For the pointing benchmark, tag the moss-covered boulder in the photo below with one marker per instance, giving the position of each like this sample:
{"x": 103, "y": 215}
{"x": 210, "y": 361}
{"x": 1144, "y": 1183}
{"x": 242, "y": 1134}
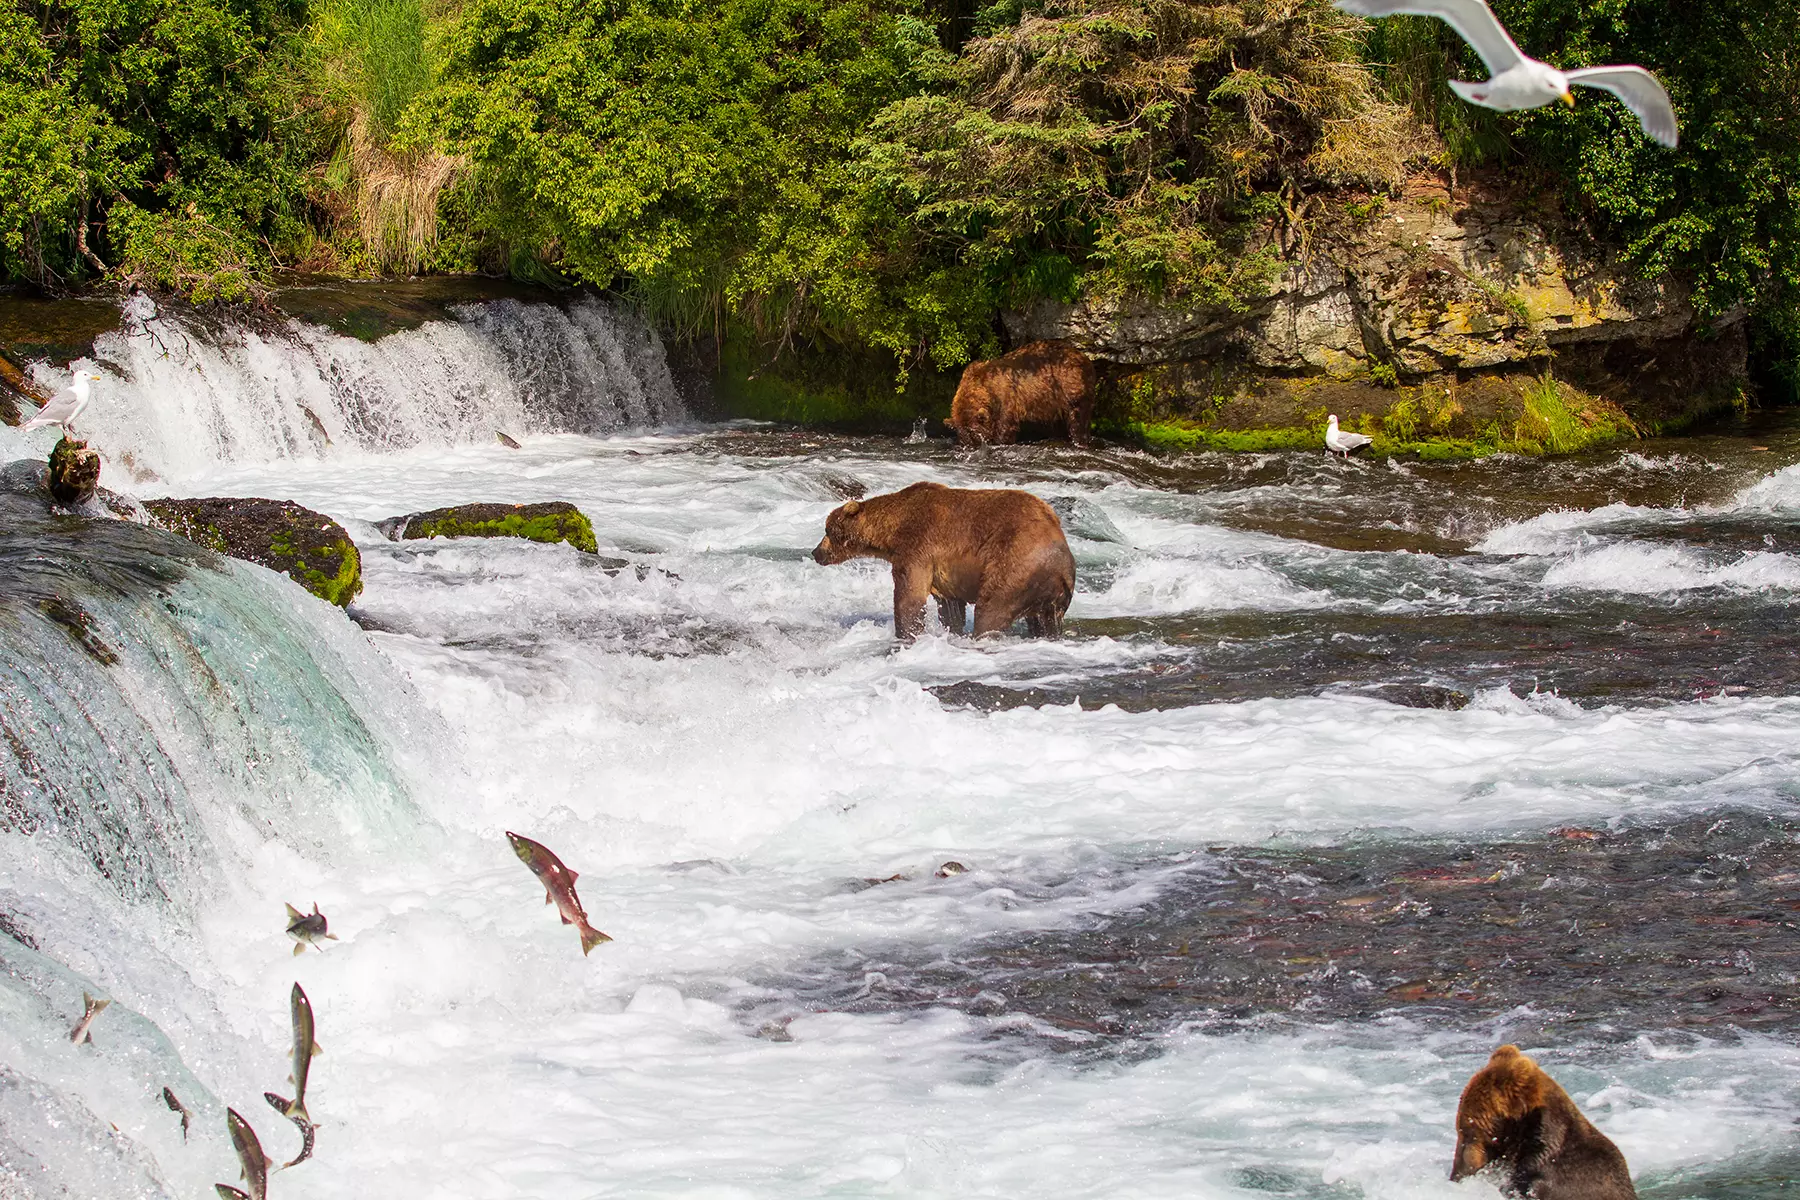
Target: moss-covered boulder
{"x": 74, "y": 472}
{"x": 308, "y": 547}
{"x": 552, "y": 521}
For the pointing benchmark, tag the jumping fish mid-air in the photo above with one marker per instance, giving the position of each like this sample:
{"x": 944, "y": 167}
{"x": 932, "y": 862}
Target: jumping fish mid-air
{"x": 559, "y": 887}
{"x": 308, "y": 929}
{"x": 90, "y": 1008}
{"x": 304, "y": 1049}
{"x": 308, "y": 1131}
{"x": 251, "y": 1159}
{"x": 176, "y": 1106}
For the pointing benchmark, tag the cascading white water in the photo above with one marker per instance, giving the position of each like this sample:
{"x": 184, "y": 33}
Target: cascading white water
{"x": 751, "y": 779}
{"x": 181, "y": 393}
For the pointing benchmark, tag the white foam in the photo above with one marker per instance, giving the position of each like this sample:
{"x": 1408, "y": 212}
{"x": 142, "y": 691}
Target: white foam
{"x": 1650, "y": 569}
{"x": 721, "y": 743}
{"x": 1778, "y": 492}
{"x": 177, "y": 399}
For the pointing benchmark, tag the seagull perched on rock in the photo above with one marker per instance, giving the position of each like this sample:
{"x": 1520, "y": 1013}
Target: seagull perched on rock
{"x": 63, "y": 410}
{"x": 1339, "y": 442}
{"x": 1517, "y": 82}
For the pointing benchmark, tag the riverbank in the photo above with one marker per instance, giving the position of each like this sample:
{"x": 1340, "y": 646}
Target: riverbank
{"x": 1534, "y": 396}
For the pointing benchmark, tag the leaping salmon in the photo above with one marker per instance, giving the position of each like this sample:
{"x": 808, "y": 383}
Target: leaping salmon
{"x": 308, "y": 930}
{"x": 304, "y": 1048}
{"x": 307, "y": 1129}
{"x": 90, "y": 1008}
{"x": 559, "y": 887}
{"x": 176, "y": 1106}
{"x": 251, "y": 1159}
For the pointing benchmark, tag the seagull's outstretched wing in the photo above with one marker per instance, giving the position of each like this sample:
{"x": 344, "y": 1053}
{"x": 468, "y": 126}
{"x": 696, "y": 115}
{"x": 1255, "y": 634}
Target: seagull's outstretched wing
{"x": 1642, "y": 93}
{"x": 1472, "y": 19}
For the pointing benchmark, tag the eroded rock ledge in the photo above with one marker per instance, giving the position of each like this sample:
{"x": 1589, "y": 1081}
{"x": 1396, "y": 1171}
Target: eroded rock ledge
{"x": 1450, "y": 308}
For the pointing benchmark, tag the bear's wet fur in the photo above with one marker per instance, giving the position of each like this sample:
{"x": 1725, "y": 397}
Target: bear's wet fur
{"x": 1518, "y": 1120}
{"x": 1042, "y": 382}
{"x": 996, "y": 548}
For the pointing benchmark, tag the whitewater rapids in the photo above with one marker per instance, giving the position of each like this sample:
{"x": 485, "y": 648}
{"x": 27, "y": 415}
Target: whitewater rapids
{"x": 724, "y": 742}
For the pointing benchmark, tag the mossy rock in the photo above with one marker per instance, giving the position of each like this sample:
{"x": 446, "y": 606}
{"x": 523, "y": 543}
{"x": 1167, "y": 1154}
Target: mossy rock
{"x": 308, "y": 547}
{"x": 74, "y": 472}
{"x": 552, "y": 521}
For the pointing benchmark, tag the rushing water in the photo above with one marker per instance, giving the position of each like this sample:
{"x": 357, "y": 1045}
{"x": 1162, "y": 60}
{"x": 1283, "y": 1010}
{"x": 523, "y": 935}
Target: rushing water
{"x": 1344, "y": 774}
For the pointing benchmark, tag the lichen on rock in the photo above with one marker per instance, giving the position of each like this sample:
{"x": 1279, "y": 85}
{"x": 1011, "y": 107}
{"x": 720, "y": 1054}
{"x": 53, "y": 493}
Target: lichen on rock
{"x": 308, "y": 547}
{"x": 551, "y": 521}
{"x": 1406, "y": 308}
{"x": 74, "y": 472}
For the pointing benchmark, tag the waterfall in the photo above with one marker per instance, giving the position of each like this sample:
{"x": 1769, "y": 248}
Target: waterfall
{"x": 182, "y": 392}
{"x": 171, "y": 723}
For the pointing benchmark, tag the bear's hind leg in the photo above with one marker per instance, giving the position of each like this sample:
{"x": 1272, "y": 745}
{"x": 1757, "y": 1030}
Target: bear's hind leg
{"x": 993, "y": 618}
{"x": 954, "y": 614}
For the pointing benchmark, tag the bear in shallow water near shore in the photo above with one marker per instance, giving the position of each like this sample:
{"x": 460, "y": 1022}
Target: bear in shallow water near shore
{"x": 1518, "y": 1120}
{"x": 1001, "y": 550}
{"x": 1044, "y": 382}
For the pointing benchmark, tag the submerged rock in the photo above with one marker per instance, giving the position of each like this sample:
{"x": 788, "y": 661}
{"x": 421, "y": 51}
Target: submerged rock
{"x": 74, "y": 472}
{"x": 552, "y": 521}
{"x": 308, "y": 547}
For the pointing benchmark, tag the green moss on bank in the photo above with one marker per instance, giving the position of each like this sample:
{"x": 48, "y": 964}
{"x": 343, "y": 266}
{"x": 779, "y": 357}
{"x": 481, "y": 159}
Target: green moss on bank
{"x": 554, "y": 521}
{"x": 1550, "y": 417}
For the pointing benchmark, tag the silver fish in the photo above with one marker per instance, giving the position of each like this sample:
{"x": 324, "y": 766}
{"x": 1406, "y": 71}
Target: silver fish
{"x": 307, "y": 930}
{"x": 304, "y": 1049}
{"x": 307, "y": 1129}
{"x": 227, "y": 1192}
{"x": 91, "y": 1008}
{"x": 251, "y": 1158}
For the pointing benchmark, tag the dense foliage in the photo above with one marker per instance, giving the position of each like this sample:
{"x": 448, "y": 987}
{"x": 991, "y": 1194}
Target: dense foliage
{"x": 1724, "y": 209}
{"x": 883, "y": 173}
{"x": 1120, "y": 147}
{"x": 162, "y": 136}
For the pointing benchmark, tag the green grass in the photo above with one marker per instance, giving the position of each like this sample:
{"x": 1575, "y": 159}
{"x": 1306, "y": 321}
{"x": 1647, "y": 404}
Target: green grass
{"x": 382, "y": 45}
{"x": 1553, "y": 420}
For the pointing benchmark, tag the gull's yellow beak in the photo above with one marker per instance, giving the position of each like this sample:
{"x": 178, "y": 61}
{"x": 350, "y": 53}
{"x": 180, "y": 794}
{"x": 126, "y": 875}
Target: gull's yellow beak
{"x": 1568, "y": 98}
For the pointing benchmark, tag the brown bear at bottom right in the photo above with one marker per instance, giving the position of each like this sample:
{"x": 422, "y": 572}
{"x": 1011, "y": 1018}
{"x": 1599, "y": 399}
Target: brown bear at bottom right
{"x": 1518, "y": 1120}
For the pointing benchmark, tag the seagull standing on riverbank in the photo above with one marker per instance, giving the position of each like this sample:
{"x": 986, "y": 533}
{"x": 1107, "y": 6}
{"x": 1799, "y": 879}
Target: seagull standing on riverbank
{"x": 62, "y": 410}
{"x": 1339, "y": 442}
{"x": 1518, "y": 82}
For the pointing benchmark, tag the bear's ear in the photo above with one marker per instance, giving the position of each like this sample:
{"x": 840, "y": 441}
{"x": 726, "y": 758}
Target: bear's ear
{"x": 851, "y": 508}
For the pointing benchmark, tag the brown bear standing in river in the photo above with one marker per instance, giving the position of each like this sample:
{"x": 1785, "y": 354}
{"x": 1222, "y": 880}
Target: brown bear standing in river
{"x": 1001, "y": 550}
{"x": 1042, "y": 381}
{"x": 1517, "y": 1118}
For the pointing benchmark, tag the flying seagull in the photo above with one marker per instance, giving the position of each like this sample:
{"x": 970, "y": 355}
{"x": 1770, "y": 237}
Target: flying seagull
{"x": 1516, "y": 81}
{"x": 64, "y": 409}
{"x": 1339, "y": 442}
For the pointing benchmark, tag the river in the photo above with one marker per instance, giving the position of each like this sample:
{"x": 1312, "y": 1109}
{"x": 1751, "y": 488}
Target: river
{"x": 1343, "y": 774}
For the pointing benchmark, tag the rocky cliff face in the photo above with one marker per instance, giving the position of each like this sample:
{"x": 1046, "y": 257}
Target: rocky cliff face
{"x": 1411, "y": 292}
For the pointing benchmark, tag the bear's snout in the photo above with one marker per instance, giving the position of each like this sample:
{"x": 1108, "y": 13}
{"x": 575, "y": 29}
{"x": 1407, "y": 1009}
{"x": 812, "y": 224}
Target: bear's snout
{"x": 822, "y": 552}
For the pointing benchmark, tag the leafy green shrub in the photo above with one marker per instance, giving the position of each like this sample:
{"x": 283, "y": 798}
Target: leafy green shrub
{"x": 123, "y": 105}
{"x": 1722, "y": 210}
{"x": 184, "y": 253}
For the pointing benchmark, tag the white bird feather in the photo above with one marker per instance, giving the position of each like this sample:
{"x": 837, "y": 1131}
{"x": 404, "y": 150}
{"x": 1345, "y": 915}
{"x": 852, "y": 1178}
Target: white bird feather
{"x": 66, "y": 406}
{"x": 1342, "y": 442}
{"x": 1516, "y": 80}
